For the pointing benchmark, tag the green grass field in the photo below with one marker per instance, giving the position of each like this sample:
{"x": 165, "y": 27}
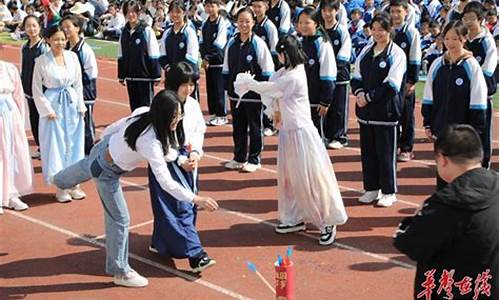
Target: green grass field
{"x": 108, "y": 49}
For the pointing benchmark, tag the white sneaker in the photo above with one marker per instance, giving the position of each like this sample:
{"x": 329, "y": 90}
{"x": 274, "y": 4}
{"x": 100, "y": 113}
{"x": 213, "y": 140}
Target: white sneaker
{"x": 269, "y": 132}
{"x": 35, "y": 154}
{"x": 76, "y": 193}
{"x": 131, "y": 279}
{"x": 234, "y": 165}
{"x": 250, "y": 168}
{"x": 99, "y": 35}
{"x": 218, "y": 121}
{"x": 16, "y": 204}
{"x": 63, "y": 196}
{"x": 210, "y": 119}
{"x": 369, "y": 197}
{"x": 387, "y": 200}
{"x": 335, "y": 145}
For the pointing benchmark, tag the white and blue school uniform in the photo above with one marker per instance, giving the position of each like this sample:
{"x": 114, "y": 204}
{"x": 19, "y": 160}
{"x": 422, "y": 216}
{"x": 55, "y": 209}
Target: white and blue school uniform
{"x": 354, "y": 28}
{"x": 337, "y": 118}
{"x": 106, "y": 175}
{"x": 58, "y": 90}
{"x": 174, "y": 232}
{"x": 280, "y": 16}
{"x": 180, "y": 46}
{"x": 369, "y": 14}
{"x": 454, "y": 93}
{"x": 28, "y": 56}
{"x": 268, "y": 32}
{"x": 251, "y": 56}
{"x": 484, "y": 49}
{"x": 359, "y": 41}
{"x": 427, "y": 40}
{"x": 212, "y": 43}
{"x": 138, "y": 65}
{"x": 321, "y": 72}
{"x": 433, "y": 7}
{"x": 431, "y": 54}
{"x": 380, "y": 77}
{"x": 408, "y": 38}
{"x": 88, "y": 65}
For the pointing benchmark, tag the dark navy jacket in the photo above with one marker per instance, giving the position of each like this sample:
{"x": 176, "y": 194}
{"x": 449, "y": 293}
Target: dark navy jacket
{"x": 380, "y": 78}
{"x": 88, "y": 65}
{"x": 485, "y": 51}
{"x": 280, "y": 16}
{"x": 29, "y": 54}
{"x": 454, "y": 93}
{"x": 179, "y": 46}
{"x": 342, "y": 48}
{"x": 408, "y": 39}
{"x": 138, "y": 54}
{"x": 321, "y": 69}
{"x": 249, "y": 56}
{"x": 213, "y": 41}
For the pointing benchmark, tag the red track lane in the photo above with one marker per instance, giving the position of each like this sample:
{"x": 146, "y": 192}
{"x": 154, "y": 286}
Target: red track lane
{"x": 54, "y": 251}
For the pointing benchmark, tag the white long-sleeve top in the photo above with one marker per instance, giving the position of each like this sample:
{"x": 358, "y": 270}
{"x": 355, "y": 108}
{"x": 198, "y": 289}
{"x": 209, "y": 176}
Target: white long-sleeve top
{"x": 148, "y": 148}
{"x": 194, "y": 125}
{"x": 47, "y": 73}
{"x": 289, "y": 88}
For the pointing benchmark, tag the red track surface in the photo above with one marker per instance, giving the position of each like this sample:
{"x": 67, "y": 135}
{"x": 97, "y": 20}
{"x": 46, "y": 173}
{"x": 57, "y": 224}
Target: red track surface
{"x": 55, "y": 251}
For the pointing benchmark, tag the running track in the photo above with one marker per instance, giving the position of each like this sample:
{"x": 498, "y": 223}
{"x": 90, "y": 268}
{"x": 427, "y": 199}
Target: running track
{"x": 55, "y": 251}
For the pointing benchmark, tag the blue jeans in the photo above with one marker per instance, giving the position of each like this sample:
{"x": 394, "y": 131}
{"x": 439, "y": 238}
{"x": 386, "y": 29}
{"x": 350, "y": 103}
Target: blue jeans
{"x": 117, "y": 219}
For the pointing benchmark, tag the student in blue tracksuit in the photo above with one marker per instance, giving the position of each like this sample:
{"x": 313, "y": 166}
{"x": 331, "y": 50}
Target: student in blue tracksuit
{"x": 72, "y": 26}
{"x": 138, "y": 53}
{"x": 482, "y": 45}
{"x": 212, "y": 43}
{"x": 376, "y": 82}
{"x": 266, "y": 30}
{"x": 407, "y": 38}
{"x": 337, "y": 118}
{"x": 455, "y": 91}
{"x": 321, "y": 68}
{"x": 279, "y": 14}
{"x": 35, "y": 47}
{"x": 246, "y": 52}
{"x": 179, "y": 42}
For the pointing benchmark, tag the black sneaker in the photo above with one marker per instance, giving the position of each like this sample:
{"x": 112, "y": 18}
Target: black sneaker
{"x": 281, "y": 228}
{"x": 200, "y": 264}
{"x": 327, "y": 236}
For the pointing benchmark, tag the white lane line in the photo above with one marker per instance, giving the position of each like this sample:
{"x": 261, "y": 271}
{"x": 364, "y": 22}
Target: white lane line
{"x": 144, "y": 260}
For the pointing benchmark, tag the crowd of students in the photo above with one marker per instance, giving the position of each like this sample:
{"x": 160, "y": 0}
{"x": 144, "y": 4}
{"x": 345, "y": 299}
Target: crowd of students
{"x": 292, "y": 60}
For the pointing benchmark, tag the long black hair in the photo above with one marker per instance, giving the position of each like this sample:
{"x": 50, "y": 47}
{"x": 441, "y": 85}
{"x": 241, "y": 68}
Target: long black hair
{"x": 163, "y": 111}
{"x": 178, "y": 74}
{"x": 291, "y": 48}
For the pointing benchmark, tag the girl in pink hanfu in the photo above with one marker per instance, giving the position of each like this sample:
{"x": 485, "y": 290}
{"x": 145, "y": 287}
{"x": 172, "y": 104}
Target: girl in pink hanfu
{"x": 15, "y": 162}
{"x": 307, "y": 187}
